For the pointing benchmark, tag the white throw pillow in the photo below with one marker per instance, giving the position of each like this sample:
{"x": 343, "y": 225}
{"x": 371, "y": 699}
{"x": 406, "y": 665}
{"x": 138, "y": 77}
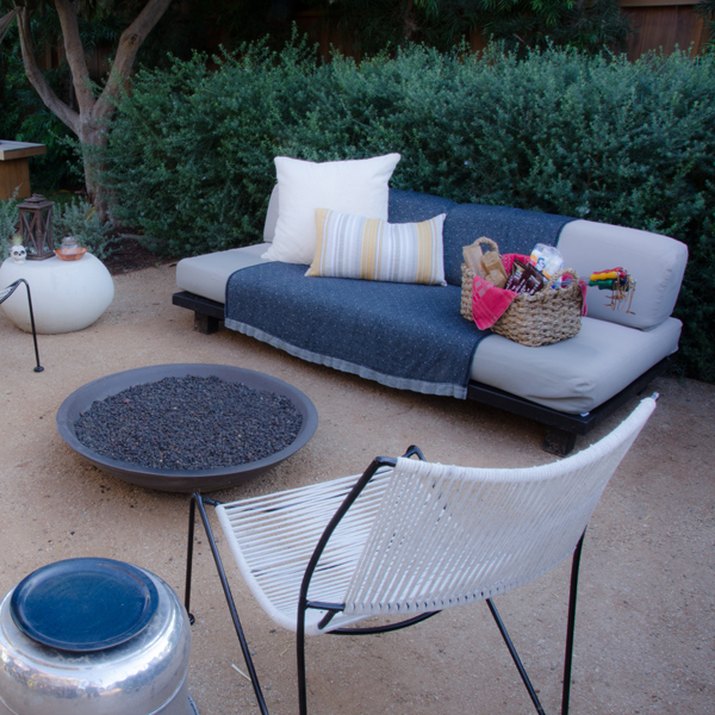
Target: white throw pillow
{"x": 371, "y": 249}
{"x": 357, "y": 186}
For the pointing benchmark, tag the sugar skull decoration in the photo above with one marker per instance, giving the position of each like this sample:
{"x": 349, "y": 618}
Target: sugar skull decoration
{"x": 18, "y": 253}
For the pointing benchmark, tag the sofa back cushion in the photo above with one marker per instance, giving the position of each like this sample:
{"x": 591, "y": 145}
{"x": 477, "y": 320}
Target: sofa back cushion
{"x": 655, "y": 262}
{"x": 515, "y": 230}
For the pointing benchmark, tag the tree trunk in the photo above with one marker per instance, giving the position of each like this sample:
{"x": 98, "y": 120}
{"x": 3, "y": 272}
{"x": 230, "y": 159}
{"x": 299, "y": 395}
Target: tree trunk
{"x": 93, "y": 140}
{"x": 89, "y": 122}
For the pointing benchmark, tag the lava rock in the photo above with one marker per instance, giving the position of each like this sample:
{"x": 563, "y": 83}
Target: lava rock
{"x": 189, "y": 423}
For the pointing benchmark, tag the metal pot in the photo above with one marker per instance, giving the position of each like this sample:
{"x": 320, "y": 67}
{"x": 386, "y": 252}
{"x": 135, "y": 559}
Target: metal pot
{"x": 93, "y": 636}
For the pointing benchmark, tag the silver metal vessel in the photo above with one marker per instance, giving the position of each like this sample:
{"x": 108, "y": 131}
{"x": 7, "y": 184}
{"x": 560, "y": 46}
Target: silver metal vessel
{"x": 137, "y": 665}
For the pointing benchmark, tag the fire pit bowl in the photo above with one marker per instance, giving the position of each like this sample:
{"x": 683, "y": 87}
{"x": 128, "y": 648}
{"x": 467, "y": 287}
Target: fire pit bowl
{"x": 172, "y": 478}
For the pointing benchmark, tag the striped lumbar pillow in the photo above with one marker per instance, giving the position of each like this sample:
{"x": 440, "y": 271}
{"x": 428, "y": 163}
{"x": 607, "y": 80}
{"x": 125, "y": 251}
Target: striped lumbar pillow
{"x": 350, "y": 246}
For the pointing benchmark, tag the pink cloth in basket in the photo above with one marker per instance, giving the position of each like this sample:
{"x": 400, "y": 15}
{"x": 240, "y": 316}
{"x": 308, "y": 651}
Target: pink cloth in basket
{"x": 489, "y": 303}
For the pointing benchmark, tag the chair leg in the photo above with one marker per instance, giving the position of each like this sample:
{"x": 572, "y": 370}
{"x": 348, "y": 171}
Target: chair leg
{"x": 38, "y": 367}
{"x": 568, "y": 655}
{"x": 300, "y": 662}
{"x": 515, "y": 657}
{"x": 197, "y": 501}
{"x": 570, "y": 627}
{"x": 190, "y": 559}
{"x": 5, "y": 293}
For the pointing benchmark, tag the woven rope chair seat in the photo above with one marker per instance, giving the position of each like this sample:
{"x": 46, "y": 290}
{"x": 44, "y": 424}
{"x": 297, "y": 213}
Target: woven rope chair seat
{"x": 420, "y": 536}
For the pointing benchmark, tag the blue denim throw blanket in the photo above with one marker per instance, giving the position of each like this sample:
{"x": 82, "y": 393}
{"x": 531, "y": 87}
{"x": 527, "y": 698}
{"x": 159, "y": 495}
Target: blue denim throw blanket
{"x": 410, "y": 337}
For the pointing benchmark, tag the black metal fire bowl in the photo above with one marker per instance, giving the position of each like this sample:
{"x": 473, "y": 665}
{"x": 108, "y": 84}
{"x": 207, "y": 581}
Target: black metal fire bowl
{"x": 182, "y": 481}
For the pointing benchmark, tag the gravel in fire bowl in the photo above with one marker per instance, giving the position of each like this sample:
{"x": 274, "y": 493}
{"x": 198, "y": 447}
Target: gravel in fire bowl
{"x": 189, "y": 423}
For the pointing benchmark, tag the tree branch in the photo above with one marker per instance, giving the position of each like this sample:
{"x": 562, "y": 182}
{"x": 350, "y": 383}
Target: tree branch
{"x": 34, "y": 74}
{"x": 129, "y": 44}
{"x": 5, "y": 22}
{"x": 74, "y": 52}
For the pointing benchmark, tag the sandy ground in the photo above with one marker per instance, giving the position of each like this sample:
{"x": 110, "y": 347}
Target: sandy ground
{"x": 646, "y": 622}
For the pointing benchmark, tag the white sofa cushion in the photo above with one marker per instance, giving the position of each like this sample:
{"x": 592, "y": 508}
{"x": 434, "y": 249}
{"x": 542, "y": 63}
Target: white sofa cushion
{"x": 656, "y": 262}
{"x": 207, "y": 275}
{"x": 358, "y": 186}
{"x": 578, "y": 374}
{"x": 350, "y": 246}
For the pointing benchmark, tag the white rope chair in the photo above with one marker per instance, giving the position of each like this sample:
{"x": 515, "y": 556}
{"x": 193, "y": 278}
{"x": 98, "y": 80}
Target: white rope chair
{"x": 409, "y": 538}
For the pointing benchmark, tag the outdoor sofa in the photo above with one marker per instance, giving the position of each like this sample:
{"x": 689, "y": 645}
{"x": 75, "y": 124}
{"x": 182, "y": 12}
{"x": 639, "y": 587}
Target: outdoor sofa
{"x": 412, "y": 336}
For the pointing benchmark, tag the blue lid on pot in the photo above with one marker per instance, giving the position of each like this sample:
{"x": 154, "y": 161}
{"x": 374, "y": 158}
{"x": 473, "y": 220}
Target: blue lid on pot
{"x": 85, "y": 604}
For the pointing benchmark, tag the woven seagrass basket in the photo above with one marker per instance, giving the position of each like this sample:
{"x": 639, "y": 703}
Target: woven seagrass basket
{"x": 549, "y": 316}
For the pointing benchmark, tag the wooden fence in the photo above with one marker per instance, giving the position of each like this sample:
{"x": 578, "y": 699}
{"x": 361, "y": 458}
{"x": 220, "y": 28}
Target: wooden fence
{"x": 655, "y": 25}
{"x": 665, "y": 24}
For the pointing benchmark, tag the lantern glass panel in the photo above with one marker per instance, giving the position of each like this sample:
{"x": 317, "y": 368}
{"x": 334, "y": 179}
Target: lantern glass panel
{"x": 36, "y": 227}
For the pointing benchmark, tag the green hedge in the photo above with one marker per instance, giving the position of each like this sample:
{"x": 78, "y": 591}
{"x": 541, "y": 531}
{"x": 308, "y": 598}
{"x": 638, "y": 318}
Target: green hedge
{"x": 191, "y": 149}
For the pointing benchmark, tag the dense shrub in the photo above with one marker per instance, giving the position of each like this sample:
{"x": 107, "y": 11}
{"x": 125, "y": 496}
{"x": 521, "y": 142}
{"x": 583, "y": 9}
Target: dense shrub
{"x": 191, "y": 150}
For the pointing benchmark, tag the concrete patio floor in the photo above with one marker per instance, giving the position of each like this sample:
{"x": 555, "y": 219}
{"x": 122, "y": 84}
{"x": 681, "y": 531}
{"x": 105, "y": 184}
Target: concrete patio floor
{"x": 646, "y": 619}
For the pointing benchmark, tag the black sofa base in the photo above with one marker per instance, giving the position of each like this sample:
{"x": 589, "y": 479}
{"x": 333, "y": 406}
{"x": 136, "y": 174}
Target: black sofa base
{"x": 562, "y": 428}
{"x": 208, "y": 314}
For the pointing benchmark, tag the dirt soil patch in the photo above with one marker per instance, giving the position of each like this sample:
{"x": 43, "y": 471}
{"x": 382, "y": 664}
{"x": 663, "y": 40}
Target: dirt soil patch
{"x": 130, "y": 255}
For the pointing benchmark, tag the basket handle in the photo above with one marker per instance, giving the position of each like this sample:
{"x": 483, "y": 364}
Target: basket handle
{"x": 485, "y": 241}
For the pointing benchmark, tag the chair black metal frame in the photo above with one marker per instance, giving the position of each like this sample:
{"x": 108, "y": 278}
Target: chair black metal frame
{"x": 5, "y": 293}
{"x": 198, "y": 501}
{"x": 400, "y": 539}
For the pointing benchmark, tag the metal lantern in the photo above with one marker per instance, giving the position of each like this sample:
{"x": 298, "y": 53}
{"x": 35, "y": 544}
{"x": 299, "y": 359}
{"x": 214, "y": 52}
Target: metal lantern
{"x": 36, "y": 227}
